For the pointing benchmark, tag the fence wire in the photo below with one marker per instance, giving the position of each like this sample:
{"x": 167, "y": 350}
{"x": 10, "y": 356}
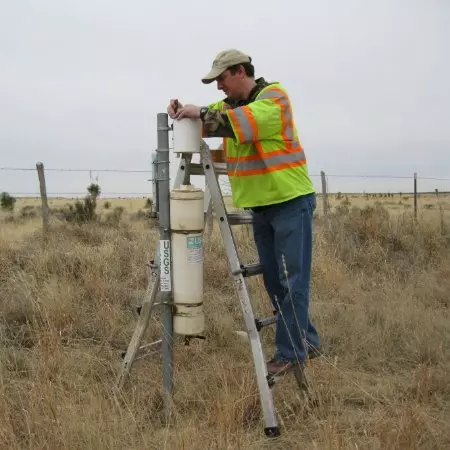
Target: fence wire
{"x": 56, "y": 177}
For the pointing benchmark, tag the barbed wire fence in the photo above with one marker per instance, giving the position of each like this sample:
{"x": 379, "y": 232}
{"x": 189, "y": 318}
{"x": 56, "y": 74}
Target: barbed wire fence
{"x": 225, "y": 182}
{"x": 93, "y": 179}
{"x": 408, "y": 187}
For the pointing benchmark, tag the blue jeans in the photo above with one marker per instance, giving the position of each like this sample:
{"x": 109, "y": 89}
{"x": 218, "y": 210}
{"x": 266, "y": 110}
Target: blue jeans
{"x": 283, "y": 238}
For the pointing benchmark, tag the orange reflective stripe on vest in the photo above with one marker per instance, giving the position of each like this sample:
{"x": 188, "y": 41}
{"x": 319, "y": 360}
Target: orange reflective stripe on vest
{"x": 255, "y": 164}
{"x": 286, "y": 111}
{"x": 273, "y": 160}
{"x": 294, "y": 148}
{"x": 245, "y": 123}
{"x": 246, "y": 126}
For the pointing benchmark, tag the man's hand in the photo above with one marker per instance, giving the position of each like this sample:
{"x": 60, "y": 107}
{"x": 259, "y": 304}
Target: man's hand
{"x": 188, "y": 112}
{"x": 177, "y": 111}
{"x": 173, "y": 108}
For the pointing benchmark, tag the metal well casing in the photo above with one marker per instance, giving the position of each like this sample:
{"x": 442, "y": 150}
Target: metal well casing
{"x": 187, "y": 224}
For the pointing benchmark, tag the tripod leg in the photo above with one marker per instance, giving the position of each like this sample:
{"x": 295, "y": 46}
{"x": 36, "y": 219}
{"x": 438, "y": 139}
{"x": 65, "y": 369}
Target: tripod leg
{"x": 141, "y": 326}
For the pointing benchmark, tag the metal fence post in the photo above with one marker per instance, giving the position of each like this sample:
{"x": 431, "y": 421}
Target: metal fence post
{"x": 163, "y": 189}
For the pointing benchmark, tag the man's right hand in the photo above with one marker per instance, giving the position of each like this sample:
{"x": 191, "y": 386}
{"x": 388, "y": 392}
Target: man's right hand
{"x": 173, "y": 107}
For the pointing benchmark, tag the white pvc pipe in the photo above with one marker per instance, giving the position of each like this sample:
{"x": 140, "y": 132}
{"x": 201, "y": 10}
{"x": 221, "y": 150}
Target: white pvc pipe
{"x": 187, "y": 134}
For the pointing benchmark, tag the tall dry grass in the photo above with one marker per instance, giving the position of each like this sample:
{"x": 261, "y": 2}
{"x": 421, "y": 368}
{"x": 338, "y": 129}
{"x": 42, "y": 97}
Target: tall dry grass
{"x": 380, "y": 298}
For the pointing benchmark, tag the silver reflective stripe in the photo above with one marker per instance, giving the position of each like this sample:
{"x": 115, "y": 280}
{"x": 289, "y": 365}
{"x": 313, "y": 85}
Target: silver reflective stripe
{"x": 244, "y": 123}
{"x": 261, "y": 164}
{"x": 289, "y": 132}
{"x": 271, "y": 94}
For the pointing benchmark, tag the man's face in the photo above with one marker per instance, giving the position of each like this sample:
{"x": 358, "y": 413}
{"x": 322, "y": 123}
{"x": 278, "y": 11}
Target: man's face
{"x": 231, "y": 85}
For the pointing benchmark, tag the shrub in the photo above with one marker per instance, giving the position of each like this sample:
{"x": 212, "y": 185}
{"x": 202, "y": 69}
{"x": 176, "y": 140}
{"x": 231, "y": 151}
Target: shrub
{"x": 94, "y": 190}
{"x": 83, "y": 211}
{"x": 115, "y": 216}
{"x": 28, "y": 212}
{"x": 7, "y": 201}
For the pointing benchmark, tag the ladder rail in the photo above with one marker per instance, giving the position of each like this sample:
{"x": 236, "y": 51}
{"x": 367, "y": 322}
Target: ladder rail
{"x": 265, "y": 392}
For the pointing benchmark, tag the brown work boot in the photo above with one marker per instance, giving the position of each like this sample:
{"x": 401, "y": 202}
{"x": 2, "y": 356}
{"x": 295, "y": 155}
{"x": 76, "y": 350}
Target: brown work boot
{"x": 275, "y": 367}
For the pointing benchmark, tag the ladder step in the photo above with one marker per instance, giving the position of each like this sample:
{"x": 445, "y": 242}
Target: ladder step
{"x": 220, "y": 168}
{"x": 265, "y": 322}
{"x": 239, "y": 219}
{"x": 248, "y": 270}
{"x": 197, "y": 169}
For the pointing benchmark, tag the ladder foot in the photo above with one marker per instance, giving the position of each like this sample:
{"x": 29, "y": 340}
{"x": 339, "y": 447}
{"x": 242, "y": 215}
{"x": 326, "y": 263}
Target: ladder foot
{"x": 272, "y": 431}
{"x": 271, "y": 380}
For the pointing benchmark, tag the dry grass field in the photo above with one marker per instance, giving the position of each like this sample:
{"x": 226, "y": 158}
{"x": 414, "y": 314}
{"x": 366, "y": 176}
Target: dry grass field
{"x": 380, "y": 298}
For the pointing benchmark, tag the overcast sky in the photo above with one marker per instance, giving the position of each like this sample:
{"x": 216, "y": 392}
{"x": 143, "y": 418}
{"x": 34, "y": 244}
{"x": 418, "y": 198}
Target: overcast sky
{"x": 81, "y": 83}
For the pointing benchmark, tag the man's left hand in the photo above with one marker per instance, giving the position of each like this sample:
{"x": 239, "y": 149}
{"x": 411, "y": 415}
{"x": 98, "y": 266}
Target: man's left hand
{"x": 188, "y": 112}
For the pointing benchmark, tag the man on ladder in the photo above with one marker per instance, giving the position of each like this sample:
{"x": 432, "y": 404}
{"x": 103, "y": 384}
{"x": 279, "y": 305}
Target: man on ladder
{"x": 268, "y": 174}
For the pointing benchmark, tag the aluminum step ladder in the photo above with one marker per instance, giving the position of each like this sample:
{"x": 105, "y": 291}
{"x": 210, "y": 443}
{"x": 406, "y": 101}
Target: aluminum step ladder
{"x": 214, "y": 200}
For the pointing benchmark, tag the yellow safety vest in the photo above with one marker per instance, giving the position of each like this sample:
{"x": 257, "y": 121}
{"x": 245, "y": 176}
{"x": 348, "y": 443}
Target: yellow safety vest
{"x": 266, "y": 163}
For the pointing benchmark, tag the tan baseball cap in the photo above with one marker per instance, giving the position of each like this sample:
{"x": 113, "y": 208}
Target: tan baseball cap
{"x": 223, "y": 61}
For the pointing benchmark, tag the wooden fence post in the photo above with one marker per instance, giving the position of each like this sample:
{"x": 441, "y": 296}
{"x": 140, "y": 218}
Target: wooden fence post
{"x": 415, "y": 195}
{"x": 324, "y": 192}
{"x": 43, "y": 189}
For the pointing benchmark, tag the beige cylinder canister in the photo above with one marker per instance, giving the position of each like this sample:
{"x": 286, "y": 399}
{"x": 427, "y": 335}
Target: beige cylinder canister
{"x": 187, "y": 224}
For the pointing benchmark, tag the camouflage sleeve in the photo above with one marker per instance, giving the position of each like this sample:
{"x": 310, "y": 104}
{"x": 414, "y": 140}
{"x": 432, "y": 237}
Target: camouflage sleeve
{"x": 217, "y": 124}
